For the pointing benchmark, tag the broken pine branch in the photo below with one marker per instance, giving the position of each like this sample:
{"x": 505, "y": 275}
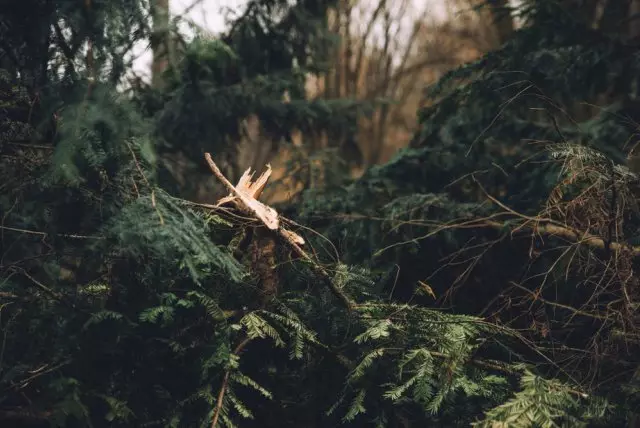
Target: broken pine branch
{"x": 246, "y": 193}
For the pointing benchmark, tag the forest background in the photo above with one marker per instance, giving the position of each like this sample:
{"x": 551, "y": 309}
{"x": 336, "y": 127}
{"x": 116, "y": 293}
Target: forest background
{"x": 473, "y": 263}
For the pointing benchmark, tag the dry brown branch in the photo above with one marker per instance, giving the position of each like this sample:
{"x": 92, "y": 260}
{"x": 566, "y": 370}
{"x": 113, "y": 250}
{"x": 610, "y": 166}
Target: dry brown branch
{"x": 559, "y": 305}
{"x": 591, "y": 209}
{"x": 549, "y": 226}
{"x": 576, "y": 236}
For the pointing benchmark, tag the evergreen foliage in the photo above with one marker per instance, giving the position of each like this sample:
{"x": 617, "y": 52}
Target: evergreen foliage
{"x": 258, "y": 69}
{"x": 124, "y": 305}
{"x": 509, "y": 150}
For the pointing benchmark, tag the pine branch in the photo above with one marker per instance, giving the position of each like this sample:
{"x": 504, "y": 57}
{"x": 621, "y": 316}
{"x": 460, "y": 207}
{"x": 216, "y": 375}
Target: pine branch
{"x": 321, "y": 272}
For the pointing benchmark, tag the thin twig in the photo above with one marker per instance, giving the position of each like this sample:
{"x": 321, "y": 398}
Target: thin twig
{"x": 225, "y": 383}
{"x": 575, "y": 311}
{"x": 44, "y": 234}
{"x": 144, "y": 178}
{"x": 23, "y": 383}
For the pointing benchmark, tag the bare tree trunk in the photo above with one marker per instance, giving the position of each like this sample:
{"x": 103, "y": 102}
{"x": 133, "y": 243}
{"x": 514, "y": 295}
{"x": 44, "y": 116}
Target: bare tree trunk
{"x": 159, "y": 40}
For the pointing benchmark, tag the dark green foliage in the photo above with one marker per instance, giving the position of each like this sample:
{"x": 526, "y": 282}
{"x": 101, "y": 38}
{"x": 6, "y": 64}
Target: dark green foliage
{"x": 514, "y": 126}
{"x": 122, "y": 305}
{"x": 116, "y": 296}
{"x": 218, "y": 84}
{"x": 108, "y": 291}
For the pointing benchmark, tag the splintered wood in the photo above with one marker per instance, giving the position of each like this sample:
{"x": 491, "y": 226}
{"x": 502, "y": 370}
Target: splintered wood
{"x": 245, "y": 196}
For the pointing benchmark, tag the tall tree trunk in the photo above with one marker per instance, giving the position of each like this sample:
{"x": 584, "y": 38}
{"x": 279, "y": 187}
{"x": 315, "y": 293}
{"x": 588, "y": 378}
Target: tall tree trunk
{"x": 159, "y": 40}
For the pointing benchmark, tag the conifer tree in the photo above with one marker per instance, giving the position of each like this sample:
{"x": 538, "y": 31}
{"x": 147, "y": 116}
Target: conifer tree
{"x": 123, "y": 304}
{"x": 514, "y": 202}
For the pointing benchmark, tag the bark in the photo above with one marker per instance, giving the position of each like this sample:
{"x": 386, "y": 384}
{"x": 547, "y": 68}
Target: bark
{"x": 159, "y": 40}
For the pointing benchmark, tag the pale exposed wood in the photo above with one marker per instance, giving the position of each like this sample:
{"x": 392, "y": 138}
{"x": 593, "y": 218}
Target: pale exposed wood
{"x": 293, "y": 237}
{"x": 269, "y": 217}
{"x": 244, "y": 195}
{"x": 251, "y": 189}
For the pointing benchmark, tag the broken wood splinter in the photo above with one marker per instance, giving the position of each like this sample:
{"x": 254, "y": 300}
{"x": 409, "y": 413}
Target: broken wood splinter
{"x": 244, "y": 196}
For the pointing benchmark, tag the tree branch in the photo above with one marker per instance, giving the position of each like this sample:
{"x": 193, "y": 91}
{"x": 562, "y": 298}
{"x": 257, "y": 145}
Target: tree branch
{"x": 225, "y": 384}
{"x": 270, "y": 218}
